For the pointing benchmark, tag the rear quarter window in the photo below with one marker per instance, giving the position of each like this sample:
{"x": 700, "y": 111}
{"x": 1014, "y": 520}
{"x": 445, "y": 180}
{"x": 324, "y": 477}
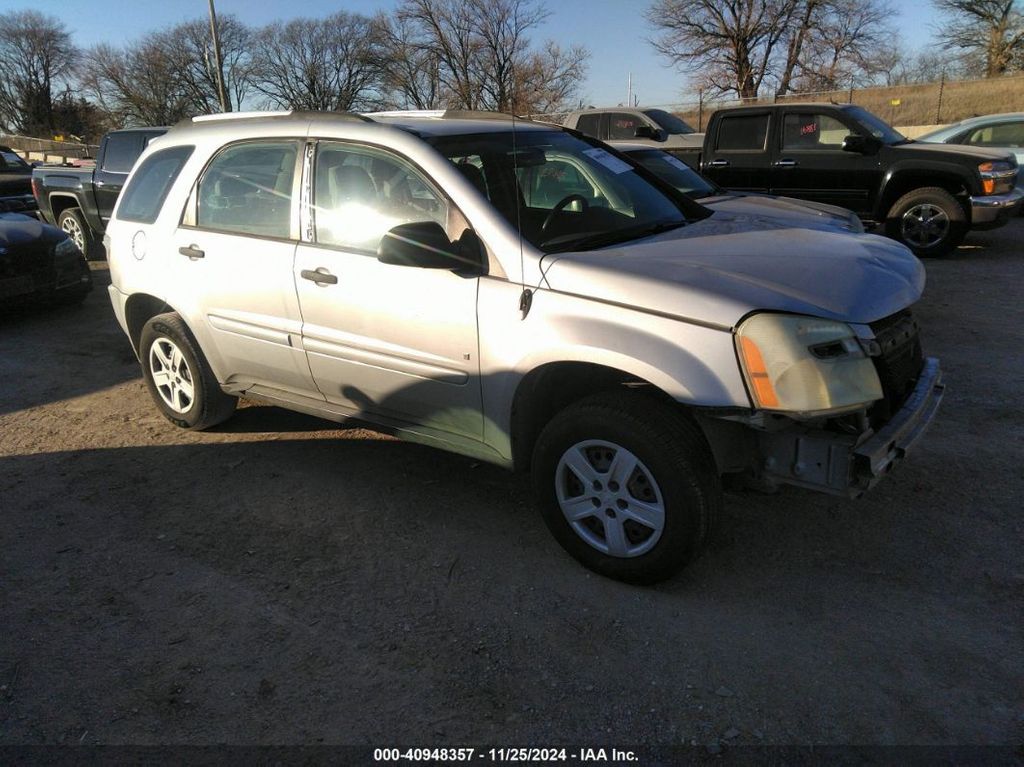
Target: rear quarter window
{"x": 121, "y": 152}
{"x": 145, "y": 194}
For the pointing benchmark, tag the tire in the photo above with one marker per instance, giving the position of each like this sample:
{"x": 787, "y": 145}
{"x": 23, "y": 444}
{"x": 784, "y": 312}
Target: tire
{"x": 72, "y": 222}
{"x": 674, "y": 483}
{"x": 929, "y": 221}
{"x": 178, "y": 376}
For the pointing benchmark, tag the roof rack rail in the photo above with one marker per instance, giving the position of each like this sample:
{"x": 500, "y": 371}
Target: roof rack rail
{"x": 447, "y": 114}
{"x": 227, "y": 116}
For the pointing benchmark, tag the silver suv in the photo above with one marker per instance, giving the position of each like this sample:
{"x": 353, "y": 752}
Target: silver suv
{"x": 513, "y": 292}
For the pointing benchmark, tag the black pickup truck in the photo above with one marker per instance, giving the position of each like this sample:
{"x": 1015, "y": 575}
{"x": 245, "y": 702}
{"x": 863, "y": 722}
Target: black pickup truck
{"x": 927, "y": 196}
{"x": 80, "y": 200}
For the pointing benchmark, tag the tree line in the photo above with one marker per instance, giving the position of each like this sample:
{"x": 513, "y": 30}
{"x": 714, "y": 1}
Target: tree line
{"x": 754, "y": 48}
{"x": 427, "y": 54}
{"x": 473, "y": 54}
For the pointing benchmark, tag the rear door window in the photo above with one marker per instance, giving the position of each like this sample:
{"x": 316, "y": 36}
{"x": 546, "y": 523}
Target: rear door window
{"x": 743, "y": 133}
{"x": 590, "y": 125}
{"x": 145, "y": 194}
{"x": 248, "y": 189}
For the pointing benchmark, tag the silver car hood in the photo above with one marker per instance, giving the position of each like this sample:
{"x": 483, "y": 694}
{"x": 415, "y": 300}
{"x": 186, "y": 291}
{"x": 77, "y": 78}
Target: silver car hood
{"x": 789, "y": 210}
{"x": 717, "y": 271}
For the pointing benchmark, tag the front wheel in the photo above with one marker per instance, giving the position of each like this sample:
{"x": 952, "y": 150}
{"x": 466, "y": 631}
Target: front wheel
{"x": 929, "y": 221}
{"x": 627, "y": 485}
{"x": 178, "y": 376}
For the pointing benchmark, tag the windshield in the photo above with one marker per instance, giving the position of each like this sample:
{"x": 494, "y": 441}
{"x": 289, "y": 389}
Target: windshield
{"x": 669, "y": 122}
{"x": 675, "y": 172}
{"x": 563, "y": 192}
{"x": 878, "y": 127}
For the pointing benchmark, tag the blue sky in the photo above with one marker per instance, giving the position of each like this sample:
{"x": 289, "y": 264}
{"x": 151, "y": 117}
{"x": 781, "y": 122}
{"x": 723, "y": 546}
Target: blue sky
{"x": 614, "y": 31}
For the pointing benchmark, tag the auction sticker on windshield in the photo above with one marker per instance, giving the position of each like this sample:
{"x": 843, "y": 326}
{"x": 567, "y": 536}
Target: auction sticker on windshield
{"x": 611, "y": 162}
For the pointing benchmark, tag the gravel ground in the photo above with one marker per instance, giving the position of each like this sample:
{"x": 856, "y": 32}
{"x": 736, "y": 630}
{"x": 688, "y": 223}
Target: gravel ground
{"x": 281, "y": 580}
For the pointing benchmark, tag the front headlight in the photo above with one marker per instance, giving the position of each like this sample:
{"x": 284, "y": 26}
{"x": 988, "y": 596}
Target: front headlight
{"x": 805, "y": 366}
{"x": 997, "y": 177}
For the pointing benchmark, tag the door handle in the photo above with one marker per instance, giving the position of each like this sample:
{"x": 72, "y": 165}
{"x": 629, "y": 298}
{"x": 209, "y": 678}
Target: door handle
{"x": 320, "y": 276}
{"x": 192, "y": 251}
{"x": 785, "y": 163}
{"x": 718, "y": 163}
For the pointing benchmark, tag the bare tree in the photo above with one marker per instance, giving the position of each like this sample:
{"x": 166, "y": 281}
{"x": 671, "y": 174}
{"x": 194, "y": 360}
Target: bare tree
{"x": 411, "y": 75}
{"x": 842, "y": 41}
{"x": 36, "y": 56}
{"x": 989, "y": 32}
{"x": 136, "y": 86}
{"x": 190, "y": 47}
{"x": 329, "y": 64}
{"x": 730, "y": 45}
{"x": 484, "y": 58}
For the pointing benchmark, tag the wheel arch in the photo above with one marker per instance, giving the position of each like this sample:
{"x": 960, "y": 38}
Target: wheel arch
{"x": 139, "y": 309}
{"x": 899, "y": 182}
{"x": 553, "y": 386}
{"x": 61, "y": 201}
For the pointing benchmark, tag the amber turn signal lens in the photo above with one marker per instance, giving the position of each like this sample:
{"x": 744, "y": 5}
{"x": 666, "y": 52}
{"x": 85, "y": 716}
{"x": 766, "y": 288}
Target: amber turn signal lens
{"x": 763, "y": 392}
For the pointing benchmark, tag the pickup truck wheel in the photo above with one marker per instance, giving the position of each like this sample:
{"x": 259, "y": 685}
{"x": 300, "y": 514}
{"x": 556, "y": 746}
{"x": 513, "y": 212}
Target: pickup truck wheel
{"x": 178, "y": 376}
{"x": 627, "y": 485}
{"x": 72, "y": 222}
{"x": 929, "y": 221}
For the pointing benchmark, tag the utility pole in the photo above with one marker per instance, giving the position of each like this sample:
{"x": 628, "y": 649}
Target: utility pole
{"x": 629, "y": 90}
{"x": 218, "y": 63}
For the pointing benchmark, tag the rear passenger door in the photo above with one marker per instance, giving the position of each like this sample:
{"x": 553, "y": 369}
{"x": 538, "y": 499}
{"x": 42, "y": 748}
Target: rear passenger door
{"x": 738, "y": 155}
{"x": 234, "y": 254}
{"x": 392, "y": 342}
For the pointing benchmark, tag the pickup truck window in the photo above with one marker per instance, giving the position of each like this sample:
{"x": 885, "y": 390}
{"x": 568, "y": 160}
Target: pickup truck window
{"x": 359, "y": 193}
{"x": 11, "y": 161}
{"x": 590, "y": 124}
{"x": 121, "y": 152}
{"x": 809, "y": 130}
{"x": 142, "y": 200}
{"x": 669, "y": 122}
{"x": 743, "y": 133}
{"x": 877, "y": 127}
{"x": 248, "y": 189}
{"x": 622, "y": 125}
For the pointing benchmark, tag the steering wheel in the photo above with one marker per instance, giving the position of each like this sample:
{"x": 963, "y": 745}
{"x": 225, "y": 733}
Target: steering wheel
{"x": 560, "y": 206}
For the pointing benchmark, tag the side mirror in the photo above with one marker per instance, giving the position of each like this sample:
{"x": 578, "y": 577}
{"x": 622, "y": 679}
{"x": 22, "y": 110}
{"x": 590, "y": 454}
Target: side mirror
{"x": 859, "y": 144}
{"x": 646, "y": 131}
{"x": 421, "y": 243}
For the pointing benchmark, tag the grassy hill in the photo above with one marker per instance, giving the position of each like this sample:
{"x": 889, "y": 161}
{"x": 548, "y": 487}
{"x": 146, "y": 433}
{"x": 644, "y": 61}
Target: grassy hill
{"x": 919, "y": 104}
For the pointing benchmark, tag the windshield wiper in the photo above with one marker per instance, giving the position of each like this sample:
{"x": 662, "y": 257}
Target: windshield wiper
{"x": 603, "y": 239}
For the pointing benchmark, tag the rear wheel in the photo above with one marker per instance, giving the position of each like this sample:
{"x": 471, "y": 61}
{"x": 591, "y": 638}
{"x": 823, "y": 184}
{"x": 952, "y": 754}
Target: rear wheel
{"x": 72, "y": 222}
{"x": 929, "y": 221}
{"x": 627, "y": 485}
{"x": 178, "y": 376}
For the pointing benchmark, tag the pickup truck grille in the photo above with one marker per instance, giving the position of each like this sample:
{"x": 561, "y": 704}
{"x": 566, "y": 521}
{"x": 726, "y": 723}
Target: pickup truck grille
{"x": 899, "y": 363}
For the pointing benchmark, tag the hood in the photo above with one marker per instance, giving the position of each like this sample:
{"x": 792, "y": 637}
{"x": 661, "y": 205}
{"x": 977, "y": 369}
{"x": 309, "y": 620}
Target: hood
{"x": 785, "y": 210}
{"x": 979, "y": 153}
{"x": 717, "y": 271}
{"x": 19, "y": 230}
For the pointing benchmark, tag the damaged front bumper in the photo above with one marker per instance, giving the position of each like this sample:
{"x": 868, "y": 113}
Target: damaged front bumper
{"x": 849, "y": 464}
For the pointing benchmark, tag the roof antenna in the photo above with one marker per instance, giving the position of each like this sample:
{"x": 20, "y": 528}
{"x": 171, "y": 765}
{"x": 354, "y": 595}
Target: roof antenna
{"x": 526, "y": 297}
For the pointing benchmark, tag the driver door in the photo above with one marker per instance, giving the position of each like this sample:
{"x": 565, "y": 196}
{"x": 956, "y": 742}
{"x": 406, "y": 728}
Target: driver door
{"x": 387, "y": 341}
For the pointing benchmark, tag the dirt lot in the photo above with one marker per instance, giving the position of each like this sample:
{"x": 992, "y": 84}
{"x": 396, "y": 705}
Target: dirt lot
{"x": 284, "y": 581}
